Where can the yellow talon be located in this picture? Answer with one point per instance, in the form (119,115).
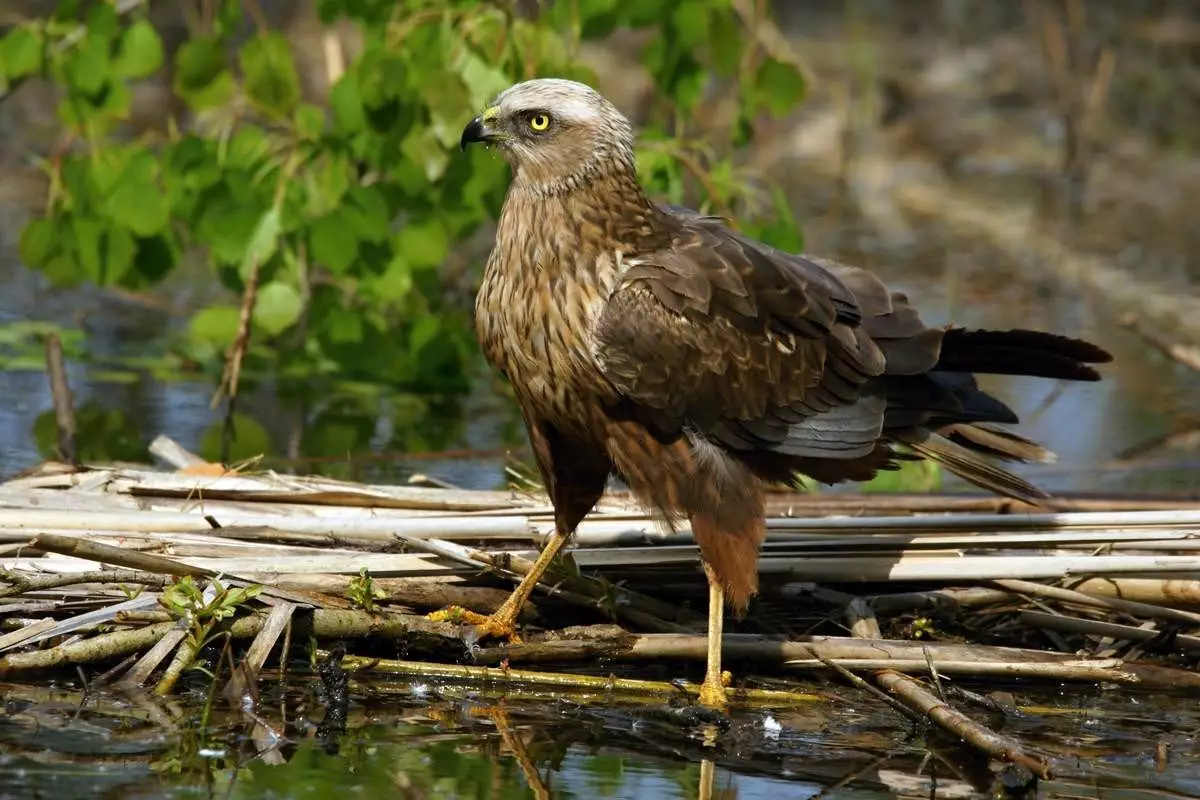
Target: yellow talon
(496,626)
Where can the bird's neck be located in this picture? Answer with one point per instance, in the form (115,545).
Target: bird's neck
(609,211)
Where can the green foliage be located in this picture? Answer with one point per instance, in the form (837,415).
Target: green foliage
(344,215)
(203,608)
(913,476)
(363,593)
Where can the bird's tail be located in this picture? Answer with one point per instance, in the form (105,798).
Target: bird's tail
(1020,352)
(945,417)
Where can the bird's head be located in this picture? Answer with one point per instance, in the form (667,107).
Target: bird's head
(557,134)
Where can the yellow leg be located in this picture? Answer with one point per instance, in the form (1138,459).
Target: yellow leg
(712,691)
(503,622)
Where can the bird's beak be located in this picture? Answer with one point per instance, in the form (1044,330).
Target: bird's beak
(477,130)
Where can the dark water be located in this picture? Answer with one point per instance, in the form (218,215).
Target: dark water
(430,741)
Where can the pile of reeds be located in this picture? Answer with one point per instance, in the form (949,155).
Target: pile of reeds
(140,574)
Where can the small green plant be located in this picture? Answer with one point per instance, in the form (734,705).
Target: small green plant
(362,592)
(203,609)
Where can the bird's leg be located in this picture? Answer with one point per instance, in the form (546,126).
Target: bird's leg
(712,691)
(502,623)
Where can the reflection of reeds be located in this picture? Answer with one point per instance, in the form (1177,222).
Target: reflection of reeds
(1080,89)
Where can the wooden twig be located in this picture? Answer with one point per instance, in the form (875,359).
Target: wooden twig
(173,453)
(64,402)
(994,744)
(862,620)
(231,377)
(496,676)
(1091,627)
(140,672)
(85,651)
(1111,603)
(19,584)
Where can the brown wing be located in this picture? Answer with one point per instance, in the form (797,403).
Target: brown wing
(753,347)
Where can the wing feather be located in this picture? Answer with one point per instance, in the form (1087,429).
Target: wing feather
(751,347)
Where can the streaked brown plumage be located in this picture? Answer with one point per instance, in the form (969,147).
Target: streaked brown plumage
(698,365)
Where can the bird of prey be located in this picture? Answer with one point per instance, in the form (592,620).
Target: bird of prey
(698,365)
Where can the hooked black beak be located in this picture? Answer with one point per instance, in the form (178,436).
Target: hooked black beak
(476,131)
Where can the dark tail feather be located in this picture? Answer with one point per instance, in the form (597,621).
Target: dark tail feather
(1020,352)
(969,465)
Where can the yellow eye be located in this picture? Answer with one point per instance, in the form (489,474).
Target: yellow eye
(539,122)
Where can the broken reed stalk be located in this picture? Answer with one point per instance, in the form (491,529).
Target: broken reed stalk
(19,583)
(1111,604)
(914,698)
(500,676)
(971,732)
(231,377)
(64,401)
(1091,627)
(809,652)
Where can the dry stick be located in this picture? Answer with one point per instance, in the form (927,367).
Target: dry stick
(1114,604)
(1091,627)
(514,677)
(276,621)
(937,599)
(1174,592)
(233,367)
(121,556)
(86,651)
(147,562)
(903,656)
(140,672)
(23,584)
(14,638)
(960,724)
(185,656)
(862,620)
(855,680)
(64,403)
(174,453)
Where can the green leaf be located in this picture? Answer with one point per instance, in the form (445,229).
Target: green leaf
(215,325)
(140,52)
(725,45)
(271,80)
(263,242)
(778,86)
(423,245)
(343,326)
(20,53)
(39,242)
(347,105)
(332,242)
(87,65)
(366,211)
(201,76)
(88,231)
(278,307)
(309,121)
(136,201)
(119,251)
(691,20)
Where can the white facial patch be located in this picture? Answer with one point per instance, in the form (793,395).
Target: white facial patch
(567,100)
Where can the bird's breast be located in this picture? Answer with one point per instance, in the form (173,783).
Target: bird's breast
(535,314)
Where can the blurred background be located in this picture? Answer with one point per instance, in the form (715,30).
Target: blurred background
(168,166)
